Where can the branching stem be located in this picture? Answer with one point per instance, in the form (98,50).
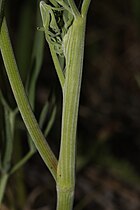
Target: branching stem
(22,101)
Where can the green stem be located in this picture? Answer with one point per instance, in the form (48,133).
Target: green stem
(22,101)
(2,10)
(57,66)
(73,6)
(3,182)
(85,7)
(65,200)
(71,93)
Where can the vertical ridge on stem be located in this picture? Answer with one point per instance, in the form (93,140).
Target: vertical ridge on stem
(74,46)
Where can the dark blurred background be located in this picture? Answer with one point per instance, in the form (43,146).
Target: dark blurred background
(108,139)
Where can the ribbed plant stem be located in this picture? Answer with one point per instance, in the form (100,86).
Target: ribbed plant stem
(65,200)
(22,101)
(71,93)
(3,182)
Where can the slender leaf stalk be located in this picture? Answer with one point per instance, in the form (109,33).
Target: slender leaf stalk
(71,93)
(74,8)
(2,10)
(3,183)
(57,66)
(85,7)
(22,101)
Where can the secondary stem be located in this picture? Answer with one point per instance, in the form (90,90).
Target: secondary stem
(85,7)
(3,182)
(22,101)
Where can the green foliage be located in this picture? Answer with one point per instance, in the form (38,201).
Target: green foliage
(2,10)
(64,27)
(6,166)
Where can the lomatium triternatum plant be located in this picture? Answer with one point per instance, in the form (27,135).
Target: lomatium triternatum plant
(64,29)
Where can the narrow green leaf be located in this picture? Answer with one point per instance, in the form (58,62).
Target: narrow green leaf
(43,114)
(51,121)
(9,117)
(2,9)
(48,111)
(37,58)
